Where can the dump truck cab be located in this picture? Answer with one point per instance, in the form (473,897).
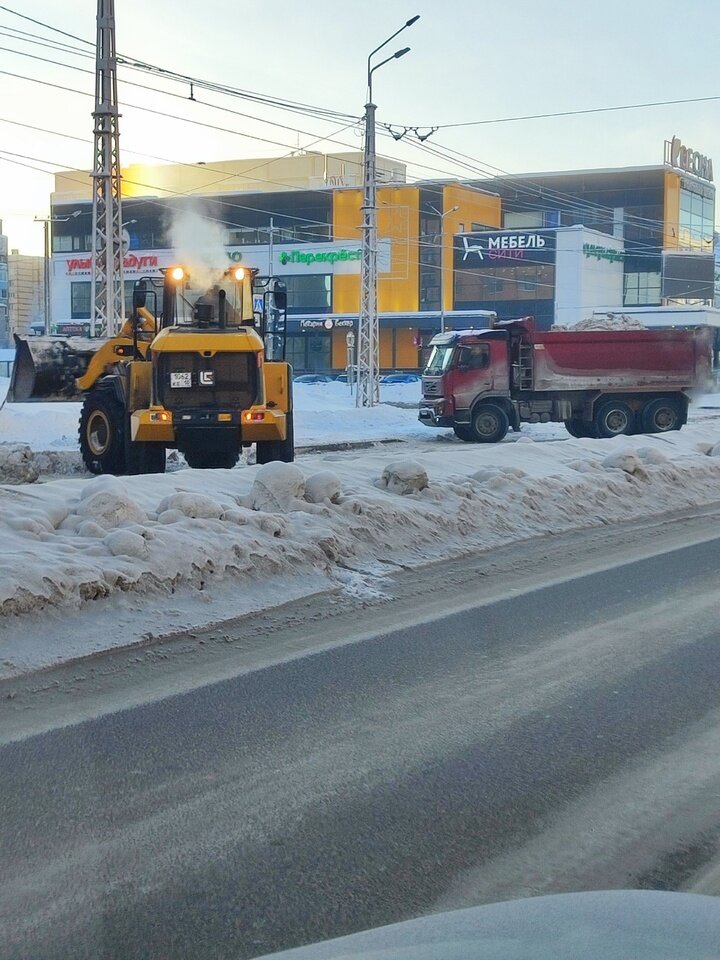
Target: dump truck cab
(599,383)
(200,379)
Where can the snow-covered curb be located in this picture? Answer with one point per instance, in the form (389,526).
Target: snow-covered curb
(74,546)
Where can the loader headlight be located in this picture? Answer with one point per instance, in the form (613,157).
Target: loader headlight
(177,274)
(239,273)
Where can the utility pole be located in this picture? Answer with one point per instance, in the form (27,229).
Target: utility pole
(271,249)
(46,279)
(442,265)
(47,266)
(368,341)
(107,294)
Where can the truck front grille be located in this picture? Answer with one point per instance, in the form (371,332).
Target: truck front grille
(225,381)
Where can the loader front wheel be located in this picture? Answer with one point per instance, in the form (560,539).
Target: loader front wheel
(102,433)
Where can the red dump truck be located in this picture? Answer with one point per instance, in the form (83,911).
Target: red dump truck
(599,383)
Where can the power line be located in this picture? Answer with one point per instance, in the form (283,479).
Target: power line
(40,23)
(410,262)
(576,113)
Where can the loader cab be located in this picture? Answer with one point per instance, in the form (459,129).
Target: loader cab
(208,300)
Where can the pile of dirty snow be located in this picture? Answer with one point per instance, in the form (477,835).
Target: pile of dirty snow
(109,544)
(608,321)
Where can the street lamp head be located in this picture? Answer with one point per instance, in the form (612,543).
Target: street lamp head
(401,53)
(413,20)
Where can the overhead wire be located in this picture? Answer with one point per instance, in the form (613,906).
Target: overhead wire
(578,205)
(407,261)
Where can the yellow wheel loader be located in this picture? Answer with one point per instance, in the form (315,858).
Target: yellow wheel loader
(203,380)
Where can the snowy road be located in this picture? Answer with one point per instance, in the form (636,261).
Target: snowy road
(549,721)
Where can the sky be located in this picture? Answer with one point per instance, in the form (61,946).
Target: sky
(469,61)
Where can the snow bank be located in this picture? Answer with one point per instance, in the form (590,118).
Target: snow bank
(72,543)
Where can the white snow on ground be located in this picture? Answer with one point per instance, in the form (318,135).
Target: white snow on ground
(324,413)
(180,543)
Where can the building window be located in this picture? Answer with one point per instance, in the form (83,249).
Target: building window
(522,282)
(309,352)
(62,244)
(642,289)
(521,220)
(80,301)
(697,216)
(309,293)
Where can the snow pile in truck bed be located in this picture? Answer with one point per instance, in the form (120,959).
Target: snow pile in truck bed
(610,321)
(72,543)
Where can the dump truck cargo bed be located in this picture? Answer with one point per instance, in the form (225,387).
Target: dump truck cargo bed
(607,360)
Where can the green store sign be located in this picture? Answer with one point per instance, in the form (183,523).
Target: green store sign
(332,256)
(603,253)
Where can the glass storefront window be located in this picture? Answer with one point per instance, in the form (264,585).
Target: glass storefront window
(642,289)
(309,293)
(309,352)
(526,281)
(697,221)
(80,301)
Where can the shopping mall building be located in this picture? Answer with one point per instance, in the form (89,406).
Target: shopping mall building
(556,246)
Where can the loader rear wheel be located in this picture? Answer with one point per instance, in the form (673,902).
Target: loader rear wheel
(200,457)
(102,433)
(266,451)
(143,457)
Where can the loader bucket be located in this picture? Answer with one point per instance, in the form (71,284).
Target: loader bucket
(46,368)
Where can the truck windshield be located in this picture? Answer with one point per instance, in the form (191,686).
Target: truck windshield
(439,359)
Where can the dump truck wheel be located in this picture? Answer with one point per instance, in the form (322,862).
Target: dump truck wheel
(463,431)
(614,419)
(200,457)
(662,415)
(490,423)
(102,433)
(269,450)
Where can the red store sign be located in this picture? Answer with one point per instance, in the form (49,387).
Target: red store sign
(131,263)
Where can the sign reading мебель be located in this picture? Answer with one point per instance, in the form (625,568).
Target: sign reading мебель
(691,161)
(503,249)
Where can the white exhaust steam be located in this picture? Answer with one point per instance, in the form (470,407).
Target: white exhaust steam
(199,246)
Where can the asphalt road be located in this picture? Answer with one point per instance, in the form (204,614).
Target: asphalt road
(566,739)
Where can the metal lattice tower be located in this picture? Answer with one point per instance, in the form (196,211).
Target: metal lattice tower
(368,352)
(107,302)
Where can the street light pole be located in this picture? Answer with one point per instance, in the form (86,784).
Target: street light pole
(368,341)
(47,297)
(46,278)
(442,265)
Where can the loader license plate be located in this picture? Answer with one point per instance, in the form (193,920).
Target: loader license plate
(181,379)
